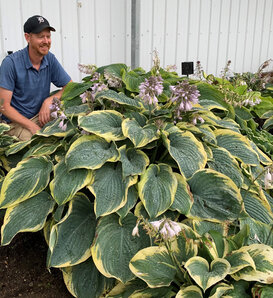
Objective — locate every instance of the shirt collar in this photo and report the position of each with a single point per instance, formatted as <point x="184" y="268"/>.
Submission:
<point x="28" y="63"/>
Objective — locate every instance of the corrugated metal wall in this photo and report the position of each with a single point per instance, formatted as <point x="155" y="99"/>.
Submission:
<point x="100" y="31"/>
<point x="211" y="31"/>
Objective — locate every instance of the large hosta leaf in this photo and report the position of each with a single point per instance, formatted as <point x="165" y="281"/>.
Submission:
<point x="74" y="89"/>
<point x="27" y="216"/>
<point x="257" y="207"/>
<point x="219" y="290"/>
<point x="84" y="280"/>
<point x="157" y="188"/>
<point x="186" y="150"/>
<point x="27" y="179"/>
<point x="67" y="183"/>
<point x="183" y="199"/>
<point x="239" y="259"/>
<point x="262" y="256"/>
<point x="238" y="145"/>
<point x="120" y="98"/>
<point x="114" y="246"/>
<point x="140" y="136"/>
<point x="226" y="164"/>
<point x="106" y="124"/>
<point x="154" y="265"/>
<point x="134" y="161"/>
<point x="205" y="274"/>
<point x="42" y="149"/>
<point x="109" y="188"/>
<point x="71" y="238"/>
<point x="132" y="197"/>
<point x="189" y="292"/>
<point x="216" y="197"/>
<point x="90" y="152"/>
<point x="53" y="129"/>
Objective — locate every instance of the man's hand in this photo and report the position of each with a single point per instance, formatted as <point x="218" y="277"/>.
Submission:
<point x="33" y="128"/>
<point x="44" y="114"/>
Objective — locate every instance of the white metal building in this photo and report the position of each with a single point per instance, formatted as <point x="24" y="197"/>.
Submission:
<point x="127" y="31"/>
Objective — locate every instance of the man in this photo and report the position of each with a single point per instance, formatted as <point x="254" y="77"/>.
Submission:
<point x="25" y="78"/>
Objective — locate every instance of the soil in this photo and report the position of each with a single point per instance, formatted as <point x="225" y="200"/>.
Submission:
<point x="23" y="270"/>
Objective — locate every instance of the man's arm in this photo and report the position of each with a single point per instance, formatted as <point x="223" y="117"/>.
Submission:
<point x="44" y="114"/>
<point x="13" y="114"/>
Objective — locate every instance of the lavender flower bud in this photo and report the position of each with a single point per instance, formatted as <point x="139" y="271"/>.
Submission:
<point x="150" y="89"/>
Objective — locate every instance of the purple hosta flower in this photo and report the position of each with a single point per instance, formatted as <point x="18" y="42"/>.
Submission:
<point x="251" y="102"/>
<point x="197" y="119"/>
<point x="112" y="80"/>
<point x="95" y="77"/>
<point x="198" y="72"/>
<point x="88" y="69"/>
<point x="166" y="228"/>
<point x="226" y="73"/>
<point x="135" y="230"/>
<point x="171" y="68"/>
<point x="150" y="89"/>
<point x="86" y="96"/>
<point x="55" y="107"/>
<point x="97" y="87"/>
<point x="268" y="179"/>
<point x="184" y="96"/>
<point x="62" y="125"/>
<point x="156" y="61"/>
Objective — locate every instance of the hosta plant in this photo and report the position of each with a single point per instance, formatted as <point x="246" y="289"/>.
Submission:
<point x="145" y="184"/>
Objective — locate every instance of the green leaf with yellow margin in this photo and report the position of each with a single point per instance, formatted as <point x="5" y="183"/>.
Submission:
<point x="42" y="149"/>
<point x="132" y="197"/>
<point x="140" y="136"/>
<point x="185" y="149"/>
<point x="154" y="265"/>
<point x="239" y="259"/>
<point x="157" y="188"/>
<point x="120" y="98"/>
<point x="226" y="164"/>
<point x="238" y="145"/>
<point x="16" y="147"/>
<point x="183" y="199"/>
<point x="106" y="124"/>
<point x="27" y="216"/>
<point x="90" y="152"/>
<point x="67" y="183"/>
<point x="126" y="290"/>
<point x="189" y="292"/>
<point x="262" y="256"/>
<point x="134" y="161"/>
<point x="52" y="129"/>
<point x="216" y="197"/>
<point x="219" y="290"/>
<point x="163" y="292"/>
<point x="205" y="274"/>
<point x="71" y="238"/>
<point x="109" y="188"/>
<point x="84" y="280"/>
<point x="27" y="179"/>
<point x="109" y="253"/>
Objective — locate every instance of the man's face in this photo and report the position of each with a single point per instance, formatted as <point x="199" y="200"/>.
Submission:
<point x="40" y="43"/>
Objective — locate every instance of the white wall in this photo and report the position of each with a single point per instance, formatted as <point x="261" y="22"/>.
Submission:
<point x="99" y="31"/>
<point x="211" y="31"/>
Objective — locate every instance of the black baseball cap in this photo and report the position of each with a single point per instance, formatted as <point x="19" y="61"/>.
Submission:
<point x="36" y="24"/>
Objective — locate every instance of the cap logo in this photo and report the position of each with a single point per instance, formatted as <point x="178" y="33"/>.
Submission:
<point x="40" y="20"/>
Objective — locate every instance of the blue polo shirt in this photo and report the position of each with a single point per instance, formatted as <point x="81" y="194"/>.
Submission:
<point x="30" y="86"/>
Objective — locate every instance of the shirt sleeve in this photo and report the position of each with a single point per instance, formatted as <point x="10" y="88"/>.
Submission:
<point x="7" y="74"/>
<point x="59" y="76"/>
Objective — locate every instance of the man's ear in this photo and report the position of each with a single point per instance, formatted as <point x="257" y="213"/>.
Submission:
<point x="27" y="37"/>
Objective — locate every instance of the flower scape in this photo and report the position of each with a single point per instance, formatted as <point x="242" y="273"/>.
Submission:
<point x="149" y="184"/>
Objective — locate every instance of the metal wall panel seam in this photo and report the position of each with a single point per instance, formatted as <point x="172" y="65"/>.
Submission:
<point x="237" y="35"/>
<point x="165" y="29"/>
<point x="262" y="35"/>
<point x="219" y="33"/>
<point x="22" y="23"/>
<point x="246" y="32"/>
<point x="254" y="35"/>
<point x="199" y="29"/>
<point x="209" y="34"/>
<point x="79" y="30"/>
<point x="188" y="35"/>
<point x="1" y="33"/>
<point x="111" y="32"/>
<point x="152" y="30"/>
<point x="61" y="33"/>
<point x="135" y="33"/>
<point x="176" y="35"/>
<point x="228" y="35"/>
<point x="95" y="34"/>
<point x="270" y="31"/>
